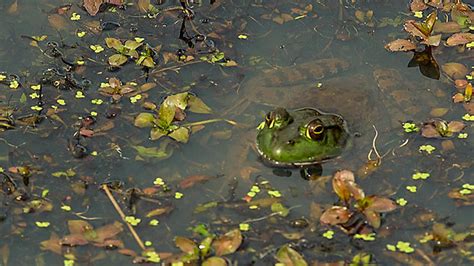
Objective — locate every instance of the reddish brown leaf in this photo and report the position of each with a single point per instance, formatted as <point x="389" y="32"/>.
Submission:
<point x="88" y="133"/>
<point x="400" y="45"/>
<point x="456" y="126"/>
<point x="380" y="204"/>
<point x="373" y="218"/>
<point x="110" y="243"/>
<point x="460" y="38"/>
<point x="52" y="244"/>
<point x="228" y="243"/>
<point x="186" y="245"/>
<point x="446" y="27"/>
<point x="159" y="211"/>
<point x="417" y="5"/>
<point x="455" y="70"/>
<point x="335" y="215"/>
<point x="92" y="6"/>
<point x="79" y="226"/>
<point x="74" y="240"/>
<point x="108" y="231"/>
<point x="193" y="180"/>
<point x="428" y="130"/>
<point x="410" y="27"/>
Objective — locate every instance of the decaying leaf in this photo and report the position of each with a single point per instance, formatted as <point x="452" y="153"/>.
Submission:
<point x="335" y="215"/>
<point x="455" y="70"/>
<point x="400" y="45"/>
<point x="290" y="257"/>
<point x="460" y="38"/>
<point x="227" y="243"/>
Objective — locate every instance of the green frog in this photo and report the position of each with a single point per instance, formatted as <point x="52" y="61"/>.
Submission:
<point x="298" y="137"/>
<point x="301" y="137"/>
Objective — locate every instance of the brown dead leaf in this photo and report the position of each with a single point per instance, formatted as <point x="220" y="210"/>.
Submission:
<point x="469" y="107"/>
<point x="52" y="244"/>
<point x="417" y="5"/>
<point x="190" y="181"/>
<point x="159" y="211"/>
<point x="228" y="243"/>
<point x="410" y="27"/>
<point x="57" y="22"/>
<point x="455" y="70"/>
<point x="446" y="27"/>
<point x="460" y="38"/>
<point x="93" y="6"/>
<point x="108" y="231"/>
<point x="400" y="45"/>
<point x="335" y="215"/>
<point x="13" y="9"/>
<point x="143" y="5"/>
<point x="458" y="98"/>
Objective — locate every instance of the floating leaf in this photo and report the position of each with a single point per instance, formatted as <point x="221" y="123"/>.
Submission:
<point x="381" y="204"/>
<point x="166" y="114"/>
<point x="186" y="245"/>
<point x="117" y="60"/>
<point x="455" y="70"/>
<point x="196" y="105"/>
<point x="114" y="43"/>
<point x="228" y="243"/>
<point x="181" y="134"/>
<point x="335" y="215"/>
<point x="400" y="45"/>
<point x="214" y="261"/>
<point x="154" y="152"/>
<point x="460" y="38"/>
<point x="290" y="257"/>
<point x="156" y="133"/>
<point x="144" y="120"/>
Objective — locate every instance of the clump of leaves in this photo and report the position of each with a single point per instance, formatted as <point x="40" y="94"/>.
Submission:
<point x="211" y="249"/>
<point x="355" y="201"/>
<point x="444" y="237"/>
<point x="83" y="233"/>
<point x="171" y="109"/>
<point x="115" y="89"/>
<point x="218" y="57"/>
<point x="124" y="51"/>
<point x="438" y="128"/>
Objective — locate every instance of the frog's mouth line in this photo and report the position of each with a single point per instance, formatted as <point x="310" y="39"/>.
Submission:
<point x="276" y="164"/>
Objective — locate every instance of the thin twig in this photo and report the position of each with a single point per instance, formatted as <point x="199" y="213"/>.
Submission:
<point x="122" y="215"/>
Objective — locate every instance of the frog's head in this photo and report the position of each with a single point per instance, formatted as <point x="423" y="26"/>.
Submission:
<point x="301" y="137"/>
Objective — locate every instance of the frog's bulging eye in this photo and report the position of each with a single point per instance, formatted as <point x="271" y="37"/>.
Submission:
<point x="314" y="130"/>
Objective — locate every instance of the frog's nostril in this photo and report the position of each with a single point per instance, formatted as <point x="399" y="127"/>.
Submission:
<point x="291" y="142"/>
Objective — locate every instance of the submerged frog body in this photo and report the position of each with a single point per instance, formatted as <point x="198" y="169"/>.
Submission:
<point x="301" y="137"/>
<point x="363" y="99"/>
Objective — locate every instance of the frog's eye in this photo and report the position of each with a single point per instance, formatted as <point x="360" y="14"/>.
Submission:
<point x="315" y="130"/>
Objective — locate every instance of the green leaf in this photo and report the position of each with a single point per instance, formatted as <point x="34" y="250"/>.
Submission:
<point x="181" y="134"/>
<point x="196" y="105"/>
<point x="157" y="133"/>
<point x="179" y="100"/>
<point x="214" y="261"/>
<point x="148" y="62"/>
<point x="166" y="114"/>
<point x="132" y="45"/>
<point x="114" y="43"/>
<point x="153" y="152"/>
<point x="290" y="257"/>
<point x="144" y="120"/>
<point x="23" y="98"/>
<point x="117" y="60"/>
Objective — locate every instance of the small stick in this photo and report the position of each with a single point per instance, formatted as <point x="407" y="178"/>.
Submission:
<point x="122" y="215"/>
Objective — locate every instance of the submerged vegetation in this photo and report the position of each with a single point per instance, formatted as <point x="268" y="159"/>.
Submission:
<point x="127" y="132"/>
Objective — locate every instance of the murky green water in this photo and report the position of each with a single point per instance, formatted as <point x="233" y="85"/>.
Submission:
<point x="222" y="153"/>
